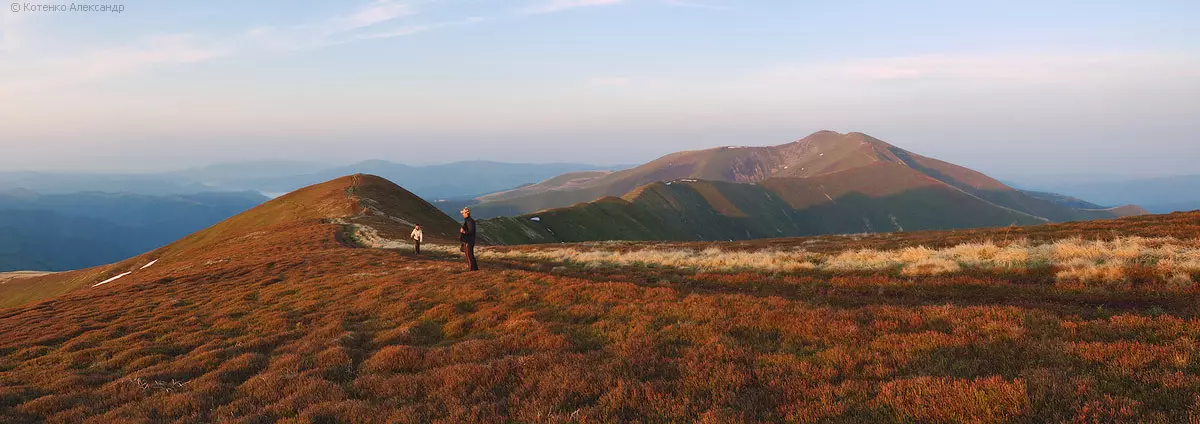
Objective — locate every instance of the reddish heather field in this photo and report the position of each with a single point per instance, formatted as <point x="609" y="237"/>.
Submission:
<point x="289" y="323"/>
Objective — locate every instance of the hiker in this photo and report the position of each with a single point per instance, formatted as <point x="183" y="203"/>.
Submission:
<point x="417" y="237"/>
<point x="466" y="235"/>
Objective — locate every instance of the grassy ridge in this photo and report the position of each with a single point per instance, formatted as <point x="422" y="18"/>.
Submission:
<point x="356" y="199"/>
<point x="286" y="323"/>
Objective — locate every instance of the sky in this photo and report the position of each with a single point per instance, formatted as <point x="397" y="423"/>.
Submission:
<point x="1009" y="87"/>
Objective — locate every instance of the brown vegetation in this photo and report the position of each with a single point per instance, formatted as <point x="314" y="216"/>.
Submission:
<point x="292" y="324"/>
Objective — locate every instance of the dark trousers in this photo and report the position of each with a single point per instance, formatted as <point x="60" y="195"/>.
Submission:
<point x="469" y="252"/>
<point x="416" y="247"/>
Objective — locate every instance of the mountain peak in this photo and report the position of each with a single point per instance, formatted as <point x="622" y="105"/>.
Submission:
<point x="359" y="199"/>
<point x="819" y="135"/>
<point x="825" y="133"/>
<point x="831" y="137"/>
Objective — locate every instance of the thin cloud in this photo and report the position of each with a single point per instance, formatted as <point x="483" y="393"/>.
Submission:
<point x="375" y="13"/>
<point x="564" y="5"/>
<point x="417" y="29"/>
<point x="98" y="65"/>
<point x="335" y="30"/>
<point x="180" y="49"/>
<point x="561" y="5"/>
<point x="695" y="5"/>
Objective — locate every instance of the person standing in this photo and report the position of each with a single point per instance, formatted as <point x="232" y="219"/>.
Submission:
<point x="417" y="237"/>
<point x="466" y="235"/>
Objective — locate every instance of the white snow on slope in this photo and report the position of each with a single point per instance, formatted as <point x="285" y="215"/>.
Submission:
<point x="148" y="265"/>
<point x="112" y="279"/>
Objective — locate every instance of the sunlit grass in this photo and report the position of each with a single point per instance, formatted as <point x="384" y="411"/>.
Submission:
<point x="1074" y="259"/>
<point x="294" y="326"/>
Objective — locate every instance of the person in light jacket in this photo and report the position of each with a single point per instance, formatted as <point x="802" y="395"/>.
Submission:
<point x="417" y="237"/>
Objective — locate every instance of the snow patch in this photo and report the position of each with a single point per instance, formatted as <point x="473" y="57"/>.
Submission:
<point x="148" y="265"/>
<point x="688" y="180"/>
<point x="112" y="279"/>
<point x="536" y="219"/>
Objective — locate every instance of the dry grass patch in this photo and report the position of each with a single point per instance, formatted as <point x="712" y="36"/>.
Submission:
<point x="706" y="259"/>
<point x="945" y="400"/>
<point x="1075" y="260"/>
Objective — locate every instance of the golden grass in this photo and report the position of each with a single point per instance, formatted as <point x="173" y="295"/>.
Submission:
<point x="1073" y="259"/>
<point x="707" y="259"/>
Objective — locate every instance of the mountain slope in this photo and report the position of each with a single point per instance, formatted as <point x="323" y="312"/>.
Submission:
<point x="356" y="199"/>
<point x="825" y="183"/>
<point x="280" y="321"/>
<point x="698" y="210"/>
<point x="820" y="154"/>
<point x="314" y="217"/>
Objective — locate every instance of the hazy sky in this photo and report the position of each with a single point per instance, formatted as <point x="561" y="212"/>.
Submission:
<point x="1006" y="87"/>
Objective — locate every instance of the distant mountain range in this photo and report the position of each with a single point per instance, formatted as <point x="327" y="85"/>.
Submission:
<point x="1068" y="201"/>
<point x="445" y="181"/>
<point x="58" y="232"/>
<point x="69" y="182"/>
<point x="458" y="180"/>
<point x="69" y="231"/>
<point x="58" y="221"/>
<point x="825" y="183"/>
<point x="1158" y="195"/>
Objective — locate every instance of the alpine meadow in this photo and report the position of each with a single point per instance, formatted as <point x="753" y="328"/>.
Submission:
<point x="600" y="211"/>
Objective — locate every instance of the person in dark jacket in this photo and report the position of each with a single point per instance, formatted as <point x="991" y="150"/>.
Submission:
<point x="466" y="235"/>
